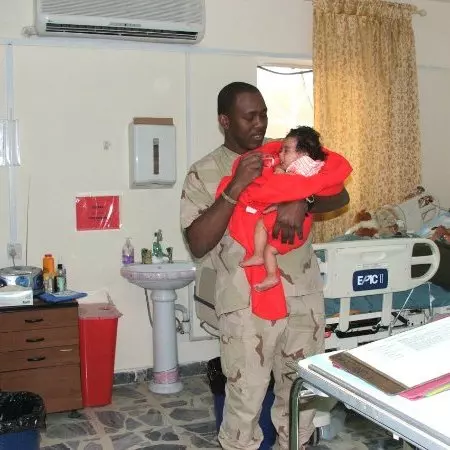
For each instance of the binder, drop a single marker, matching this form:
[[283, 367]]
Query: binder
[[353, 361]]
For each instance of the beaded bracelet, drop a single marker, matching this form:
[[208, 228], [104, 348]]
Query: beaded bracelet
[[228, 198]]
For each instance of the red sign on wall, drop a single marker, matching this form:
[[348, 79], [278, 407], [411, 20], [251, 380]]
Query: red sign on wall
[[98, 213]]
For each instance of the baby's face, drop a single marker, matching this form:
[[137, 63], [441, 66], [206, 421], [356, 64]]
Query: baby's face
[[288, 153]]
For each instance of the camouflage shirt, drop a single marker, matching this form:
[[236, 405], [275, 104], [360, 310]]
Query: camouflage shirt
[[220, 280]]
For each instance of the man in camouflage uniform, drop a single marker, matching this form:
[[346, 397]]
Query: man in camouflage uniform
[[252, 347]]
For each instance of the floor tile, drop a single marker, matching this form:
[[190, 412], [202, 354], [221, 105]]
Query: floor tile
[[140, 419]]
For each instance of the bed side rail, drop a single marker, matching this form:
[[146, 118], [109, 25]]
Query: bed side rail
[[367, 267]]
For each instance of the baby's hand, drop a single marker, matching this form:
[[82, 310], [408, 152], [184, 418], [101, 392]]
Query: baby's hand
[[278, 170]]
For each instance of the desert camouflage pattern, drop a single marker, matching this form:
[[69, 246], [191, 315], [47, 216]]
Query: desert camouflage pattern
[[252, 347]]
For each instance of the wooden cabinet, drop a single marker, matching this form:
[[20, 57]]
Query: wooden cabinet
[[39, 352]]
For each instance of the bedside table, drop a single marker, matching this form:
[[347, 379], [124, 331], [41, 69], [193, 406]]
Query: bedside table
[[39, 352]]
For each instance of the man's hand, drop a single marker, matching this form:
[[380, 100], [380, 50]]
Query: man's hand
[[279, 171], [289, 222], [250, 167]]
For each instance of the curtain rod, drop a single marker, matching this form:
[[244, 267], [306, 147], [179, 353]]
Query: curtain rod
[[421, 12]]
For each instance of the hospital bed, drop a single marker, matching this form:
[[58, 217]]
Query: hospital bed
[[372, 288]]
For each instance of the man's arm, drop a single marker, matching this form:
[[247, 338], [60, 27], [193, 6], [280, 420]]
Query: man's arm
[[330, 203], [205, 232]]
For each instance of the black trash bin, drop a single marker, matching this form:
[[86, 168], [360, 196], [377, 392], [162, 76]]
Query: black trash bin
[[22, 415], [217, 381]]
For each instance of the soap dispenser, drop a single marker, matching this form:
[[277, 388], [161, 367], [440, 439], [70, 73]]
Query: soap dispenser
[[127, 252]]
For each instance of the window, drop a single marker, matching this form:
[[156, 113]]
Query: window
[[288, 93]]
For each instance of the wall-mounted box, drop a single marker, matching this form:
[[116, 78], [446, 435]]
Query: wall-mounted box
[[153, 154]]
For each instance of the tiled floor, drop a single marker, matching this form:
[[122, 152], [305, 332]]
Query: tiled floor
[[138, 419]]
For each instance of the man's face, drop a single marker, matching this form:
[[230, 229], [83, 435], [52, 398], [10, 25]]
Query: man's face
[[245, 126]]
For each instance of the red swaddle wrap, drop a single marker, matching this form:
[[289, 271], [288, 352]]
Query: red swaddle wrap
[[269, 189]]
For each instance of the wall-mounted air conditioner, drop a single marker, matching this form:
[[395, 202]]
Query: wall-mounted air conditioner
[[176, 21]]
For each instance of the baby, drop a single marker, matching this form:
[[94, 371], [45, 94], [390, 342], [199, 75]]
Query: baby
[[301, 154]]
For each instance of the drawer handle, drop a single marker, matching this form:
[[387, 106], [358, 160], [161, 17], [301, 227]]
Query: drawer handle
[[35, 340], [33, 320], [36, 359]]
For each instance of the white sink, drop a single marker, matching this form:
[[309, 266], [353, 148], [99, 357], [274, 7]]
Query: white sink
[[164, 276], [162, 279]]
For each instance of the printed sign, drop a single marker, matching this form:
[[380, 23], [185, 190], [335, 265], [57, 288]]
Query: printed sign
[[370, 279], [98, 213]]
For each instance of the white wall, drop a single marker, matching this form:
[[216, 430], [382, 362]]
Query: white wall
[[71, 96], [433, 59]]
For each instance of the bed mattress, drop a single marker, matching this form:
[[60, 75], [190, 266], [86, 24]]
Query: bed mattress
[[420, 299]]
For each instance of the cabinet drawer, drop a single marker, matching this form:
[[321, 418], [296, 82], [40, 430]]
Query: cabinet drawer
[[39, 338], [38, 318], [60, 387], [41, 357]]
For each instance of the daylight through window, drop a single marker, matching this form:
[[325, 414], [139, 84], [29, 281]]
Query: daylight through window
[[288, 93]]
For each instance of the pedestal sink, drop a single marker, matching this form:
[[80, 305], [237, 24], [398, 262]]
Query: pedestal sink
[[163, 279]]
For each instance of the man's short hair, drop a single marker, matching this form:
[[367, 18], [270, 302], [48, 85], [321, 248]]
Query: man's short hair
[[227, 96]]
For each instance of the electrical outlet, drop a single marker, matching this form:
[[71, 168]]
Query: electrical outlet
[[14, 250]]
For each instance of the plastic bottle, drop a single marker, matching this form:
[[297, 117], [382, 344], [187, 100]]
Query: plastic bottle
[[61, 279], [49, 282], [128, 252], [48, 264]]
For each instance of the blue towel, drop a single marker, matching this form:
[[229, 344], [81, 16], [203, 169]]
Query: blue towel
[[65, 296]]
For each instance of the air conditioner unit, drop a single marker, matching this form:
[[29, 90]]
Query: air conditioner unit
[[176, 21]]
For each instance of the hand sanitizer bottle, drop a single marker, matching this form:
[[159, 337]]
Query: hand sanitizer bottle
[[61, 279], [127, 252]]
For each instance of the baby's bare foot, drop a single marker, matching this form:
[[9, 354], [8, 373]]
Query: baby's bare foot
[[268, 283], [252, 261]]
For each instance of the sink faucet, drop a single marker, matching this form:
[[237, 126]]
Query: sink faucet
[[170, 254], [157, 249]]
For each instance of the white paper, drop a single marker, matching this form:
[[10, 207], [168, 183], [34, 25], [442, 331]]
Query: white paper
[[413, 357]]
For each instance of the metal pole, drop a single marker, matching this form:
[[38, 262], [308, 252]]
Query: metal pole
[[294, 413]]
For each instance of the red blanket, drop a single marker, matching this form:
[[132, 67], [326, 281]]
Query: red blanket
[[270, 189]]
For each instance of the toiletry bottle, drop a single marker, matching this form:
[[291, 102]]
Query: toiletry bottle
[[61, 280], [48, 264], [49, 282], [127, 252], [146, 256]]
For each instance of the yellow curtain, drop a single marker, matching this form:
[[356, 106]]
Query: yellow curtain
[[366, 100]]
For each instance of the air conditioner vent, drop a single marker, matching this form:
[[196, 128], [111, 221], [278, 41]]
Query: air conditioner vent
[[120, 31]]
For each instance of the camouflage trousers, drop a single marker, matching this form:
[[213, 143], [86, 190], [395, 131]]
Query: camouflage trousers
[[250, 349]]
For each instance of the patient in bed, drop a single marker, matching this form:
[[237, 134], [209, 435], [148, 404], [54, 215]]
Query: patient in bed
[[301, 154]]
